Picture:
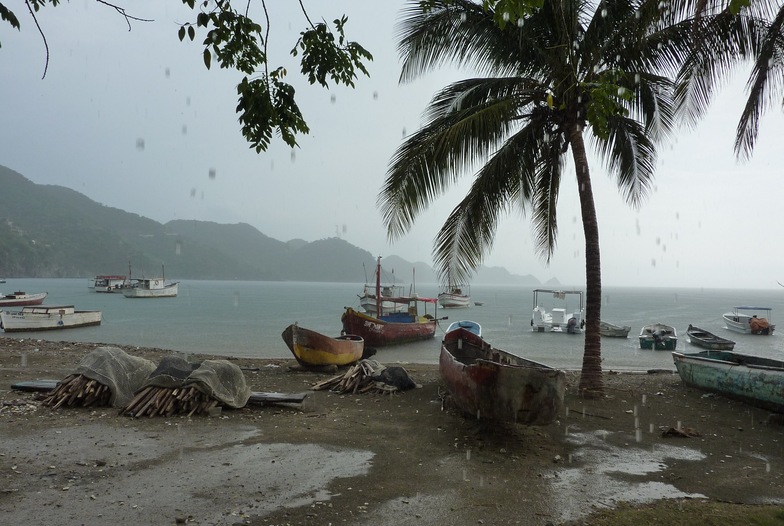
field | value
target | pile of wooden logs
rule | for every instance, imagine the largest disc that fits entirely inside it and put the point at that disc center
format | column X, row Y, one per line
column 356, row 380
column 77, row 390
column 165, row 401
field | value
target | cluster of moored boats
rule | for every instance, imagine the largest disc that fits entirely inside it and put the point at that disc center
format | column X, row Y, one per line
column 35, row 316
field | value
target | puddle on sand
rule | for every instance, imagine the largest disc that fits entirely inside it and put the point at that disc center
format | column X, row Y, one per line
column 216, row 478
column 577, row 489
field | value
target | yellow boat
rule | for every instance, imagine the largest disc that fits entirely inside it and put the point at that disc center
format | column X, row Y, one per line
column 313, row 349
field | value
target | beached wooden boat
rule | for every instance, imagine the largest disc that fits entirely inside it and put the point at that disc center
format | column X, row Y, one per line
column 468, row 325
column 610, row 330
column 755, row 380
column 708, row 340
column 750, row 320
column 21, row 299
column 659, row 337
column 393, row 329
column 313, row 349
column 47, row 317
column 558, row 319
column 492, row 384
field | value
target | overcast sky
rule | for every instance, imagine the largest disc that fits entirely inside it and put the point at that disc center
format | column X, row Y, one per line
column 133, row 120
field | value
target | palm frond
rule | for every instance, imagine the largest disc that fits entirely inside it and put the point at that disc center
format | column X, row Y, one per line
column 765, row 80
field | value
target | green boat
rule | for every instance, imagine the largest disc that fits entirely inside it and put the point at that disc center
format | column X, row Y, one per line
column 658, row 337
column 755, row 380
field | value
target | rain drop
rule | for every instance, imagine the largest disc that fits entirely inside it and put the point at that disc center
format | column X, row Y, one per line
column 193, row 192
column 604, row 13
column 293, row 155
column 184, row 129
column 506, row 16
column 167, row 72
column 520, row 22
column 375, row 95
column 212, row 173
column 236, row 299
column 332, row 98
column 140, row 144
column 178, row 247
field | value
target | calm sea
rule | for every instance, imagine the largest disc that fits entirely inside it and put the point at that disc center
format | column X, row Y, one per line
column 245, row 319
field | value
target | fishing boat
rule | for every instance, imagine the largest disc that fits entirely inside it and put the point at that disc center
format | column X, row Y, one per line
column 150, row 288
column 108, row 283
column 313, row 349
column 755, row 380
column 468, row 325
column 21, row 299
column 708, row 340
column 610, row 330
column 750, row 320
column 491, row 384
column 454, row 296
column 48, row 317
column 380, row 297
column 392, row 329
column 659, row 337
column 561, row 318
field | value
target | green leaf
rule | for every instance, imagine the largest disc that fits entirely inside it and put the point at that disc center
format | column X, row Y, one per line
column 207, row 57
column 191, row 33
column 181, row 33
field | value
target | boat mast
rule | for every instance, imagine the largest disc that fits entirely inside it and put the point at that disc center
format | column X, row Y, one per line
column 378, row 288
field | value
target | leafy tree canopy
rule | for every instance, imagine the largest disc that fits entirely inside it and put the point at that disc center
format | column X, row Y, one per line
column 233, row 39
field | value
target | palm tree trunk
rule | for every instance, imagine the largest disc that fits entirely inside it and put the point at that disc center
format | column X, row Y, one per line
column 591, row 382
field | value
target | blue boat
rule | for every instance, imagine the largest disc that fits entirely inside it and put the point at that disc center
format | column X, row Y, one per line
column 470, row 326
column 755, row 380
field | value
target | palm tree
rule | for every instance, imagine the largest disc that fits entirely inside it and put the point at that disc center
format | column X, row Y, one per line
column 568, row 67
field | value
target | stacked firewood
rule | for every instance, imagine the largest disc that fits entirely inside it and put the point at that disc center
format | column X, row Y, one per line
column 77, row 390
column 358, row 379
column 165, row 401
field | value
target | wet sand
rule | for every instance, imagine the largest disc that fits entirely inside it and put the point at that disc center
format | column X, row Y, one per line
column 369, row 459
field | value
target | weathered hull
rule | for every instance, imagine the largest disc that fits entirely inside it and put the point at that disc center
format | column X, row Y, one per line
column 379, row 332
column 755, row 380
column 613, row 331
column 313, row 349
column 708, row 340
column 21, row 299
column 658, row 337
column 48, row 319
column 492, row 384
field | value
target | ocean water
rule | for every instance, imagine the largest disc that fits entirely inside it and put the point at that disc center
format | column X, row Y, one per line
column 246, row 319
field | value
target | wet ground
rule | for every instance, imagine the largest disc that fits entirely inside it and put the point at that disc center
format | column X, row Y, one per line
column 371, row 459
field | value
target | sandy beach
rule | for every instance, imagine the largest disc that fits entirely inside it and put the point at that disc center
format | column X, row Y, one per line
column 400, row 459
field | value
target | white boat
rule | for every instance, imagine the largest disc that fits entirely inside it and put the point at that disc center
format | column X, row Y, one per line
column 379, row 299
column 750, row 320
column 107, row 283
column 568, row 317
column 454, row 297
column 21, row 299
column 150, row 288
column 369, row 301
column 610, row 330
column 48, row 317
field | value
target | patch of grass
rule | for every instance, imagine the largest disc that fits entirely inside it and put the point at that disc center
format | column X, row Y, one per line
column 682, row 512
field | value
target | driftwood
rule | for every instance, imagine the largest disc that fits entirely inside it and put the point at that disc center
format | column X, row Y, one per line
column 77, row 390
column 358, row 379
column 166, row 401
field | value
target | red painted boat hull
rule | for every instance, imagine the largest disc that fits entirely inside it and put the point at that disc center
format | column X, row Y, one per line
column 380, row 332
column 491, row 384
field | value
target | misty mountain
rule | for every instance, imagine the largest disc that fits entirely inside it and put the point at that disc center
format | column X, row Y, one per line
column 49, row 231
